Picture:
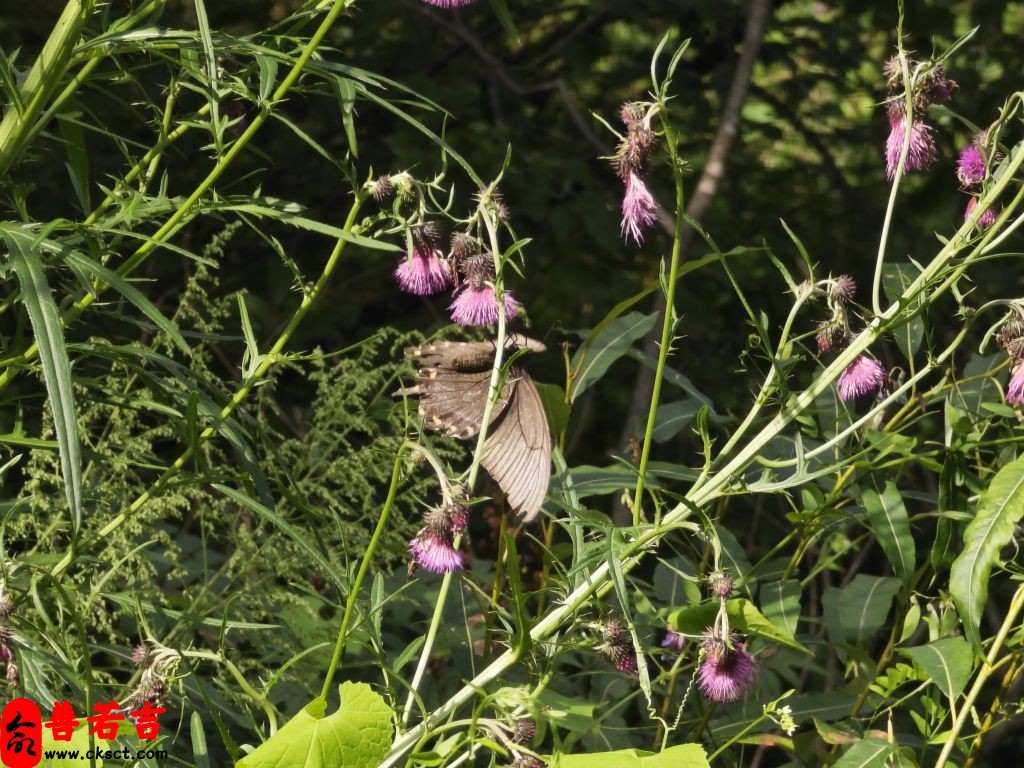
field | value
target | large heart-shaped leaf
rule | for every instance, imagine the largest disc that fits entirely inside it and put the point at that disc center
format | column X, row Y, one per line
column 358, row 734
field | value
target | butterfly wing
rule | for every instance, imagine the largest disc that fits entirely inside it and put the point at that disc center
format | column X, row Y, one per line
column 517, row 453
column 453, row 401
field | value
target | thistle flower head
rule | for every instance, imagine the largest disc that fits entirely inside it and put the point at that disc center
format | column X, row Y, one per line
column 525, row 730
column 843, row 289
column 638, row 209
column 727, row 671
column 1011, row 337
column 435, row 553
column 479, row 306
column 6, row 607
column 938, row 86
column 921, row 152
column 491, row 199
column 720, row 583
column 863, row 375
column 424, row 272
column 433, row 548
column 618, row 646
column 463, row 246
column 1015, row 389
column 140, row 655
column 987, row 219
column 381, row 188
column 674, row 642
column 970, row 166
column 829, row 335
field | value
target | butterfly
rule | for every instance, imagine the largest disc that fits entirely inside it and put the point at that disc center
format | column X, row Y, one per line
column 453, row 383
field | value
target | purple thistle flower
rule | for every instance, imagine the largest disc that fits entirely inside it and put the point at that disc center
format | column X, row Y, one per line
column 423, row 273
column 435, row 554
column 674, row 642
column 920, row 154
column 638, row 209
column 1015, row 390
column 987, row 219
column 433, row 548
column 726, row 673
column 478, row 306
column 863, row 375
column 970, row 167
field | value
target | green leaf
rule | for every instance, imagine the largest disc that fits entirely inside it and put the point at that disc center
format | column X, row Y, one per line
column 1000, row 509
column 553, row 397
column 889, row 521
column 358, row 734
column 780, row 603
column 743, row 616
column 858, row 610
column 672, row 418
column 200, row 754
column 601, row 349
column 948, row 661
column 679, row 756
column 131, row 293
column 576, row 715
column 53, row 355
column 288, row 213
column 869, row 753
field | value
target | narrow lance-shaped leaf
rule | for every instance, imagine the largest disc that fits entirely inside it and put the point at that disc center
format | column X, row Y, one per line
column 1000, row 509
column 888, row 519
column 53, row 356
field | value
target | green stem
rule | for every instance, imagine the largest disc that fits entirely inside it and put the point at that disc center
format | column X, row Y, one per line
column 474, row 468
column 261, row 370
column 987, row 669
column 883, row 240
column 364, row 566
column 667, row 325
column 42, row 80
column 737, row 737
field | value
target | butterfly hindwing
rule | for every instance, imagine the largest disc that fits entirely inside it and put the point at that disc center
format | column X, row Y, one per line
column 517, row 453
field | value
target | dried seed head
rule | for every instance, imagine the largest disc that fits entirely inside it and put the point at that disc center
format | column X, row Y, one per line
column 720, row 584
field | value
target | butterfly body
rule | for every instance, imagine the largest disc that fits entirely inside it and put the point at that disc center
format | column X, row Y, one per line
column 453, row 385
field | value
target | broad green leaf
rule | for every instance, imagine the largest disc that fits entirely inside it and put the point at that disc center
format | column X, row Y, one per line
column 576, row 715
column 131, row 293
column 780, row 604
column 895, row 279
column 53, row 355
column 857, row 611
column 671, row 418
column 948, row 661
column 743, row 616
column 1000, row 509
column 869, row 753
column 596, row 355
column 358, row 734
column 889, row 521
column 79, row 741
column 679, row 756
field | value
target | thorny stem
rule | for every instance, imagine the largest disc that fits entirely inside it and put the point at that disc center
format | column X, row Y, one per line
column 273, row 356
column 668, row 322
column 487, row 215
column 988, row 667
